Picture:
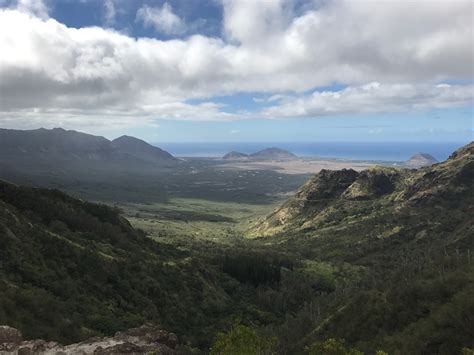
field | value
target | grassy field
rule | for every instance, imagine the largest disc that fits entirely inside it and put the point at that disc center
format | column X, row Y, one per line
column 215, row 221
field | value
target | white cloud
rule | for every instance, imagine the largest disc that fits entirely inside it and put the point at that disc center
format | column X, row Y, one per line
column 109, row 12
column 163, row 19
column 256, row 22
column 373, row 98
column 53, row 72
column 34, row 7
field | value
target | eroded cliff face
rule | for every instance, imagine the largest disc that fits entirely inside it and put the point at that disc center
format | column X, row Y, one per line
column 142, row 340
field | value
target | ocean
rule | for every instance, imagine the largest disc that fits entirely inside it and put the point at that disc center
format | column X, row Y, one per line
column 390, row 151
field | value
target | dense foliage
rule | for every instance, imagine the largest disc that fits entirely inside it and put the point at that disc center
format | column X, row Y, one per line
column 70, row 269
column 254, row 269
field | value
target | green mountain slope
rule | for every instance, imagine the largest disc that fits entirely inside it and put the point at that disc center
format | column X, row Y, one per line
column 381, row 258
column 408, row 236
column 337, row 197
column 71, row 269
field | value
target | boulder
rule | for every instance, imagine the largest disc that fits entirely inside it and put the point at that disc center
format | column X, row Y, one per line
column 10, row 335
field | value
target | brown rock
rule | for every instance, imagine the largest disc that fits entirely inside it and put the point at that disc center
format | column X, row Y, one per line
column 10, row 335
column 25, row 351
column 142, row 340
column 124, row 348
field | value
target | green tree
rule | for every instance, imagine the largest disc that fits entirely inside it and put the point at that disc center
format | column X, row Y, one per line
column 243, row 340
column 331, row 346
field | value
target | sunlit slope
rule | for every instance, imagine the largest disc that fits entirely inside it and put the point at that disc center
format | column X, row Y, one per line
column 345, row 197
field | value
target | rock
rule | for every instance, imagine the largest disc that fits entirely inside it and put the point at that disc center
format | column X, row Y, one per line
column 151, row 334
column 372, row 183
column 25, row 351
column 315, row 195
column 10, row 335
column 124, row 348
column 142, row 340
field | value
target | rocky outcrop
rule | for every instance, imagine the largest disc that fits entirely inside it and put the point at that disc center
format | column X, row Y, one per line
column 9, row 335
column 143, row 340
column 372, row 183
column 311, row 198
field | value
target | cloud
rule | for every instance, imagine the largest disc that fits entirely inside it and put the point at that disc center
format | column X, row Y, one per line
column 109, row 12
column 163, row 19
column 373, row 98
column 34, row 7
column 256, row 22
column 52, row 72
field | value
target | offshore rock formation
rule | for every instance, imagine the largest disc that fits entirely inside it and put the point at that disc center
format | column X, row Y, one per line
column 143, row 340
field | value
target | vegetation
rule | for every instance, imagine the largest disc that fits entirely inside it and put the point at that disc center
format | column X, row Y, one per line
column 382, row 263
column 243, row 340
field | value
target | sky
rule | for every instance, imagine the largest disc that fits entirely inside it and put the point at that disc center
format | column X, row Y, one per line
column 240, row 70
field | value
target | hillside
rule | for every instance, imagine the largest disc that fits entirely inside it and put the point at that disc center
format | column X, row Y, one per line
column 71, row 269
column 420, row 160
column 141, row 150
column 406, row 238
column 377, row 259
column 320, row 201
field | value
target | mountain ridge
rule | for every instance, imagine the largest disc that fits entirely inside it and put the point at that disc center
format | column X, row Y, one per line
column 68, row 149
column 141, row 149
column 324, row 192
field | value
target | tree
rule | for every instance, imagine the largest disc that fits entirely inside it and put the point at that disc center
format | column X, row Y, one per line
column 243, row 340
column 331, row 346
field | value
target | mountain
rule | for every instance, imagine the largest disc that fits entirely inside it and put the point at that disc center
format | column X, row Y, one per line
column 380, row 258
column 321, row 200
column 59, row 148
column 141, row 150
column 235, row 156
column 273, row 154
column 421, row 159
column 401, row 241
column 52, row 144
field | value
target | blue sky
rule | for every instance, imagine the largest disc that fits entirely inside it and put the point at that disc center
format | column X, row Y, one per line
column 239, row 70
column 450, row 125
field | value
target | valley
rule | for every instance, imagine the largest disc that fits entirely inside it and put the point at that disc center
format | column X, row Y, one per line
column 236, row 177
column 284, row 256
